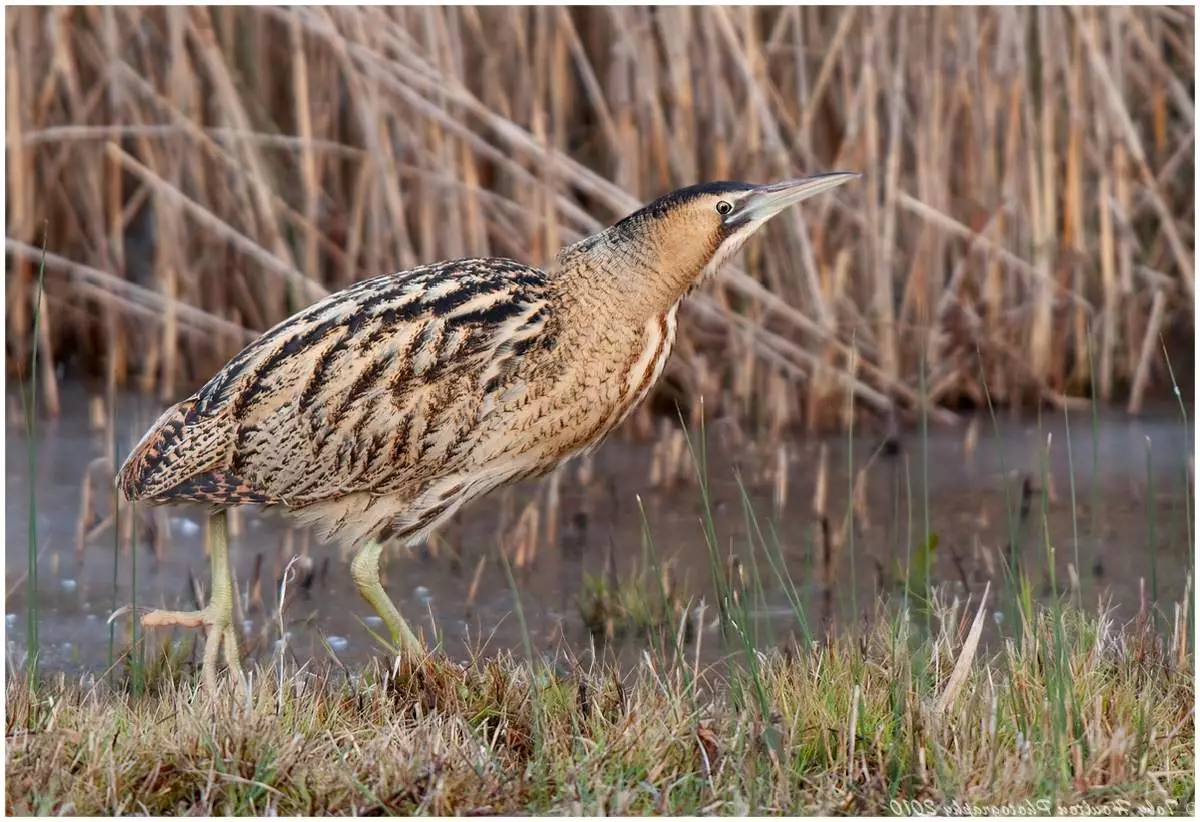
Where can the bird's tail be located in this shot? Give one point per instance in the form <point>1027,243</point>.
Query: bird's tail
<point>179,445</point>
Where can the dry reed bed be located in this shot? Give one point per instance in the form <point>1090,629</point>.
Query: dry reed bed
<point>1073,711</point>
<point>1025,221</point>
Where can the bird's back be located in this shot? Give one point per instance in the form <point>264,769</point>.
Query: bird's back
<point>394,402</point>
<point>373,389</point>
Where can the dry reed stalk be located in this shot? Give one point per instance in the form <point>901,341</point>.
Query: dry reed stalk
<point>673,458</point>
<point>1121,204</point>
<point>116,133</point>
<point>100,284</point>
<point>821,490</point>
<point>1074,230</point>
<point>743,378</point>
<point>201,35</point>
<point>306,542</point>
<point>161,533</point>
<point>678,460</point>
<point>658,457</point>
<point>254,600</point>
<point>307,161</point>
<point>522,541</point>
<point>1108,275</point>
<point>585,178</point>
<point>20,205</point>
<point>553,490</point>
<point>1041,167</point>
<point>407,135</point>
<point>109,521</point>
<point>779,406</point>
<point>473,589</point>
<point>198,212</point>
<point>778,350</point>
<point>848,409</point>
<point>885,298</point>
<point>862,510</point>
<point>1120,112</point>
<point>971,442</point>
<point>207,140</point>
<point>1166,81</point>
<point>1150,343</point>
<point>114,209</point>
<point>48,379</point>
<point>586,471</point>
<point>1046,469</point>
<point>97,414</point>
<point>828,559</point>
<point>959,229</point>
<point>124,519</point>
<point>86,514</point>
<point>170,333</point>
<point>962,666</point>
<point>1180,636</point>
<point>828,63</point>
<point>781,479</point>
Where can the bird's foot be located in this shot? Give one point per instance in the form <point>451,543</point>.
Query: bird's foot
<point>217,617</point>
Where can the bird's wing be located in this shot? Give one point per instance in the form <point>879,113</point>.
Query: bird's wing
<point>375,388</point>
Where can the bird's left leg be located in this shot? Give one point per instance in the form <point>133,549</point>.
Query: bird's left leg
<point>217,615</point>
<point>364,568</point>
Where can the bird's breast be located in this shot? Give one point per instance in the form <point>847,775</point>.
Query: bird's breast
<point>658,340</point>
<point>606,380</point>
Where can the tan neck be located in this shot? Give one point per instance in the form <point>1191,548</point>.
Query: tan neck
<point>639,273</point>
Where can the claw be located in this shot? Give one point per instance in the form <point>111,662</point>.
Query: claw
<point>127,609</point>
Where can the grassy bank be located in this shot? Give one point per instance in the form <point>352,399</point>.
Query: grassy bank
<point>1024,222</point>
<point>1068,711</point>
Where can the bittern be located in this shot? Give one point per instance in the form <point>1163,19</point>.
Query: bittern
<point>382,409</point>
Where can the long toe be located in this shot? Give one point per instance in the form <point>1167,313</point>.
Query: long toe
<point>233,659</point>
<point>212,651</point>
<point>184,619</point>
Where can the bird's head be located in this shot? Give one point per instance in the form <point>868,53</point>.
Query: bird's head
<point>686,235</point>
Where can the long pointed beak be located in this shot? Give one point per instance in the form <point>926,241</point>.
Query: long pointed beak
<point>764,202</point>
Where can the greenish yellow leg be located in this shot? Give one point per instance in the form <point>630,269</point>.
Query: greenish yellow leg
<point>364,568</point>
<point>217,615</point>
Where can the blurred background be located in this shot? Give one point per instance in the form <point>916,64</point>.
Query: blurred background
<point>1005,300</point>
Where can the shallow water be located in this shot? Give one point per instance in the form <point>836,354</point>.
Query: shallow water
<point>1130,488</point>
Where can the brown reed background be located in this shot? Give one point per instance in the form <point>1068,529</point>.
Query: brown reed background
<point>1025,220</point>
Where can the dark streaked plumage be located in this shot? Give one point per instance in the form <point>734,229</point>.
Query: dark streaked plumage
<point>383,408</point>
<point>388,405</point>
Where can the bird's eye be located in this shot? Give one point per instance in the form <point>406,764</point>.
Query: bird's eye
<point>724,207</point>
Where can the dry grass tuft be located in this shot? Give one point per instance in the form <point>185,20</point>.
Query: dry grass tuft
<point>1026,219</point>
<point>1071,711</point>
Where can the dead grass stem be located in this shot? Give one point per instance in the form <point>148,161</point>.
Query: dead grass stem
<point>216,169</point>
<point>855,726</point>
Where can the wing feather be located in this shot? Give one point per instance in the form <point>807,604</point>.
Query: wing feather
<point>380,388</point>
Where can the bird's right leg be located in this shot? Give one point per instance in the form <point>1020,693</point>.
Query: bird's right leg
<point>364,568</point>
<point>217,615</point>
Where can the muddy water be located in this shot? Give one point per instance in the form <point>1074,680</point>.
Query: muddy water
<point>1126,532</point>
